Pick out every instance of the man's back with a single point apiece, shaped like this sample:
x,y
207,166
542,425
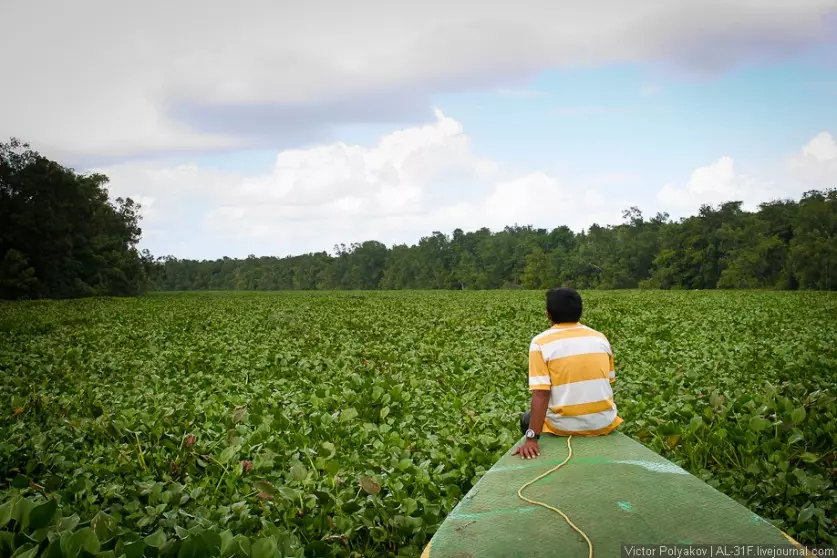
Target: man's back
x,y
575,363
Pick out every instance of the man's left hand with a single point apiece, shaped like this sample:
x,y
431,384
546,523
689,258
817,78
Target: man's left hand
x,y
528,450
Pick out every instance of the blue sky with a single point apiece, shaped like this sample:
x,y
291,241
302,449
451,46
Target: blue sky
x,y
757,113
567,118
294,139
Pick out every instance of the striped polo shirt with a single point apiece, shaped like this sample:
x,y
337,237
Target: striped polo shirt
x,y
575,363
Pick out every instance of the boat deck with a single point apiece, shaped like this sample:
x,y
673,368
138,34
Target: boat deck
x,y
614,489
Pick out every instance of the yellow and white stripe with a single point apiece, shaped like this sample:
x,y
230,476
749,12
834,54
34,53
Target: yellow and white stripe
x,y
575,363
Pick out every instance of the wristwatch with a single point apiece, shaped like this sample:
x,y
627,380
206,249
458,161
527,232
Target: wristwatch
x,y
531,434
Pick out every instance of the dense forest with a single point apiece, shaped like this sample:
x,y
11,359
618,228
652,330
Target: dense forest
x,y
785,244
61,236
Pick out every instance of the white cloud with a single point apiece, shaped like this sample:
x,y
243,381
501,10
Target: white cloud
x,y
816,165
412,182
102,78
813,168
170,197
545,200
821,148
404,173
714,184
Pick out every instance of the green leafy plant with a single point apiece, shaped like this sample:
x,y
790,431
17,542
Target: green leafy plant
x,y
351,424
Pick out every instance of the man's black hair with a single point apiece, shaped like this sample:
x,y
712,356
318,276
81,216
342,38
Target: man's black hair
x,y
563,305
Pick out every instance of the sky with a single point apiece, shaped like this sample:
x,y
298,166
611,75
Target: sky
x,y
276,128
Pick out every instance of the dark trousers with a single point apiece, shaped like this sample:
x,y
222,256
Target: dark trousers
x,y
524,422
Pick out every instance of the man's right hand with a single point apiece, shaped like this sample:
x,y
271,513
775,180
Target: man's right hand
x,y
528,450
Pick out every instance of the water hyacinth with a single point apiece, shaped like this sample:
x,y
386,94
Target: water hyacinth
x,y
194,424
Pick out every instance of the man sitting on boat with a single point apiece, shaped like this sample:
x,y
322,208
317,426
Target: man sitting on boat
x,y
570,372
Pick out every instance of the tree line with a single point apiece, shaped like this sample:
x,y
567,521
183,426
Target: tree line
x,y
785,244
60,234
62,237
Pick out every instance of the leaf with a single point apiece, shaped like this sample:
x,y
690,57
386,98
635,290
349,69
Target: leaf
x,y
227,545
53,482
317,548
695,423
332,467
409,505
289,493
348,414
240,414
758,424
231,545
212,541
20,482
384,412
227,455
192,547
134,549
795,437
264,548
53,549
264,487
104,526
370,485
323,498
805,514
298,473
7,543
241,545
43,514
6,512
329,447
668,429
26,551
23,507
798,415
157,539
83,539
809,457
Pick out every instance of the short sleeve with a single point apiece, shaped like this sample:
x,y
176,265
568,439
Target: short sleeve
x,y
538,371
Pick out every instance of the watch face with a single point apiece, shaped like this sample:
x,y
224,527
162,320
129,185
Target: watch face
x,y
530,433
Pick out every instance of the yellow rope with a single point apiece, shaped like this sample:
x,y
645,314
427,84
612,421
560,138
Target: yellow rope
x,y
547,506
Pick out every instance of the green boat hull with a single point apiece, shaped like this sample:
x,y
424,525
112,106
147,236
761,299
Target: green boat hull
x,y
614,489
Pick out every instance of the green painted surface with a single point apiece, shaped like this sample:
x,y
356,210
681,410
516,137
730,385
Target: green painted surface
x,y
614,489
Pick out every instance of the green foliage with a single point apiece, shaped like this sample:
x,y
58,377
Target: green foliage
x,y
350,424
60,236
17,277
540,270
784,245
